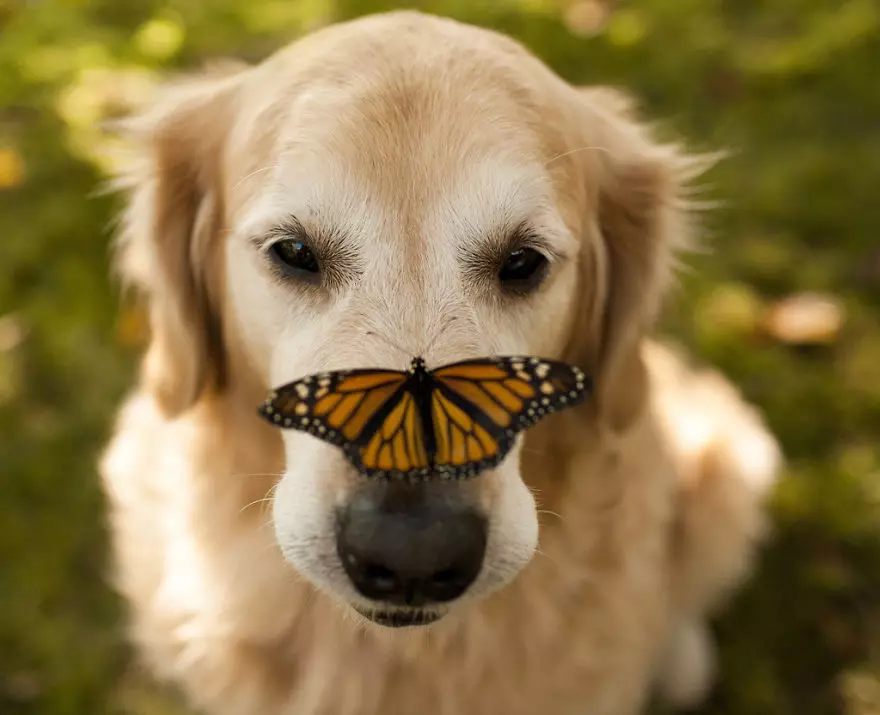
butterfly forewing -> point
(335, 406)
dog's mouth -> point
(401, 618)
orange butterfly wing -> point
(476, 409)
(368, 413)
(479, 406)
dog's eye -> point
(295, 256)
(523, 270)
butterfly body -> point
(421, 386)
(454, 421)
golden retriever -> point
(381, 186)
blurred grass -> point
(790, 86)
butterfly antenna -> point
(437, 335)
(389, 341)
(409, 354)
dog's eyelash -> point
(289, 228)
(504, 242)
(482, 265)
(338, 262)
(527, 237)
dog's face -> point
(363, 207)
(381, 232)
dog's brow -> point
(284, 227)
(321, 239)
(494, 245)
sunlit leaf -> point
(728, 311)
(860, 690)
(132, 328)
(11, 168)
(586, 17)
(805, 319)
(160, 38)
(626, 27)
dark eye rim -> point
(529, 283)
(311, 255)
(285, 235)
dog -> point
(405, 185)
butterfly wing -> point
(394, 443)
(479, 406)
(370, 414)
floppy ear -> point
(637, 186)
(168, 248)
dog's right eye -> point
(295, 256)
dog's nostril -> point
(446, 576)
(448, 584)
(380, 578)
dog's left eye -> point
(523, 270)
(295, 255)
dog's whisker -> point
(268, 523)
(251, 175)
(576, 151)
(544, 554)
(247, 475)
(267, 497)
(539, 452)
(552, 513)
(261, 500)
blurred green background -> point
(787, 303)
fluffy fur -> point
(405, 142)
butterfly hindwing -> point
(466, 442)
(394, 443)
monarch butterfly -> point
(453, 421)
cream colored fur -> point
(617, 529)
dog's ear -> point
(168, 247)
(639, 223)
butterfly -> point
(454, 421)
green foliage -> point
(789, 86)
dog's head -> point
(380, 188)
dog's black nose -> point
(411, 545)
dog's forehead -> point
(391, 157)
(419, 129)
